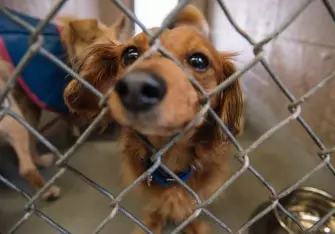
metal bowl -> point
(308, 205)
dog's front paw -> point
(53, 193)
(46, 160)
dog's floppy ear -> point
(96, 63)
(230, 103)
(80, 100)
(79, 34)
(191, 16)
(98, 67)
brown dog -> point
(76, 35)
(155, 98)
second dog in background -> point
(42, 83)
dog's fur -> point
(76, 35)
(204, 148)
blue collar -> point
(162, 177)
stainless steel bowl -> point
(308, 205)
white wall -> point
(152, 12)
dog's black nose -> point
(140, 90)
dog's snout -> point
(140, 91)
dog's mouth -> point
(153, 123)
(157, 121)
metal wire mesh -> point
(294, 107)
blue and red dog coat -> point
(42, 80)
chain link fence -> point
(295, 107)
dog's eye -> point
(130, 55)
(198, 61)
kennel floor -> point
(81, 208)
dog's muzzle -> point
(140, 90)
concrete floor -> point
(281, 160)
